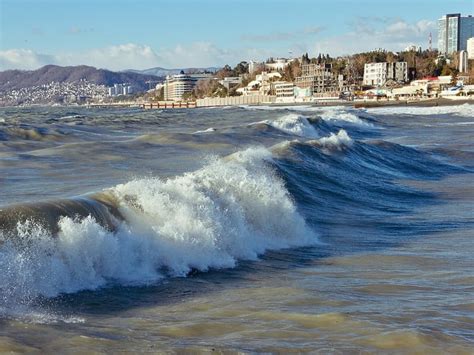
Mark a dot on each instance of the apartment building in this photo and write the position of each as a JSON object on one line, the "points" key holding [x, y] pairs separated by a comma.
{"points": [[378, 74]]}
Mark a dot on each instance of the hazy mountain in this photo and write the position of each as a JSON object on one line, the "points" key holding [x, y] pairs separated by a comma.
{"points": [[16, 79], [162, 72]]}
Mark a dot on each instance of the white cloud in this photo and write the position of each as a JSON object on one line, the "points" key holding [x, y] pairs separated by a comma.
{"points": [[369, 33], [124, 56], [134, 56], [23, 59]]}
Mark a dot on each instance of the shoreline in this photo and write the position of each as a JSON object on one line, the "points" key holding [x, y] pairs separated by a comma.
{"points": [[355, 104]]}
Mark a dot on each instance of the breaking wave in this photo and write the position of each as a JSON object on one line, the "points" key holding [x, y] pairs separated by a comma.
{"points": [[233, 209], [293, 124]]}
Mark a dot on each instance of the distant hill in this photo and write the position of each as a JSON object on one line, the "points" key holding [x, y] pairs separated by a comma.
{"points": [[17, 79], [162, 72]]}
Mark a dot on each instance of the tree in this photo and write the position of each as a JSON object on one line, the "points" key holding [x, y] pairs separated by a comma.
{"points": [[454, 78], [292, 71]]}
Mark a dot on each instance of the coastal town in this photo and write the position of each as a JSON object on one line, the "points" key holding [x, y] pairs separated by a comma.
{"points": [[412, 75]]}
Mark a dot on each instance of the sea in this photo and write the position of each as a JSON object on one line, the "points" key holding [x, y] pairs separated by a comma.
{"points": [[252, 229]]}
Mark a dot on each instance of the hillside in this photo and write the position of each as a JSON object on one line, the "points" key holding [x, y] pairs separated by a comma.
{"points": [[17, 79]]}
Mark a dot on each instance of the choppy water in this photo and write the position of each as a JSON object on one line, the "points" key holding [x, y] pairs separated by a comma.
{"points": [[248, 229]]}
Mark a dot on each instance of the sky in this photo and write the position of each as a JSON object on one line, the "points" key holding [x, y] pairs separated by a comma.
{"points": [[141, 34]]}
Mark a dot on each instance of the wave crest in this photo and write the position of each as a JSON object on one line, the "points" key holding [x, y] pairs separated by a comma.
{"points": [[293, 124]]}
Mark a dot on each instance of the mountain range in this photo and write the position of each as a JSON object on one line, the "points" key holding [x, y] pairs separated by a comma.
{"points": [[140, 80], [17, 79]]}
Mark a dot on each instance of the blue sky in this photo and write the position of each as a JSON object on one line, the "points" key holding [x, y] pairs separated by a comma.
{"points": [[144, 33]]}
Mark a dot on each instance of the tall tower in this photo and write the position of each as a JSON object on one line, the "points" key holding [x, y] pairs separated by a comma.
{"points": [[430, 42]]}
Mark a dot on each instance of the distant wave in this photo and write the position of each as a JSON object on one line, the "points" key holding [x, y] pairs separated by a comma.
{"points": [[209, 130], [328, 113], [465, 110], [31, 134]]}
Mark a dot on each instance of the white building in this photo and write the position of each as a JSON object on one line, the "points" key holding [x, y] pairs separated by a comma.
{"points": [[378, 74], [262, 84], [120, 89], [412, 48], [177, 85], [470, 48], [278, 64], [284, 91], [463, 61]]}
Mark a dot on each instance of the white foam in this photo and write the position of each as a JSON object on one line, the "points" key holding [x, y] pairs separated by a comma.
{"points": [[342, 114], [339, 140], [465, 110], [209, 130], [294, 124], [327, 113], [234, 208]]}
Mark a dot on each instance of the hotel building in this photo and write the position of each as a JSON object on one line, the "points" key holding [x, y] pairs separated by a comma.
{"points": [[177, 85]]}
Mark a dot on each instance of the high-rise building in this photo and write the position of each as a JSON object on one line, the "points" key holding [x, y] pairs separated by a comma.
{"points": [[453, 33]]}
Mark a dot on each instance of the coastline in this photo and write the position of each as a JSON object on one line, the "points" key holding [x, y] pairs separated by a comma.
{"points": [[440, 101]]}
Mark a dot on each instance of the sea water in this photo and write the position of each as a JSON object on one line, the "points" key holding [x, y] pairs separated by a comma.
{"points": [[254, 229]]}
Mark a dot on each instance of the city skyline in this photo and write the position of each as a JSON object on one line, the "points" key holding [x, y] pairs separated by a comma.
{"points": [[120, 35]]}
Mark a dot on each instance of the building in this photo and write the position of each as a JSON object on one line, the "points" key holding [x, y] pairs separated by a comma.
{"points": [[319, 78], [470, 48], [453, 33], [463, 61], [254, 66], [412, 48], [380, 74], [177, 85], [262, 85], [284, 91], [230, 81], [278, 64], [120, 89]]}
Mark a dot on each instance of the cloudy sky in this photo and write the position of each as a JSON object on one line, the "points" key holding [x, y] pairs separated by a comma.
{"points": [[140, 34]]}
